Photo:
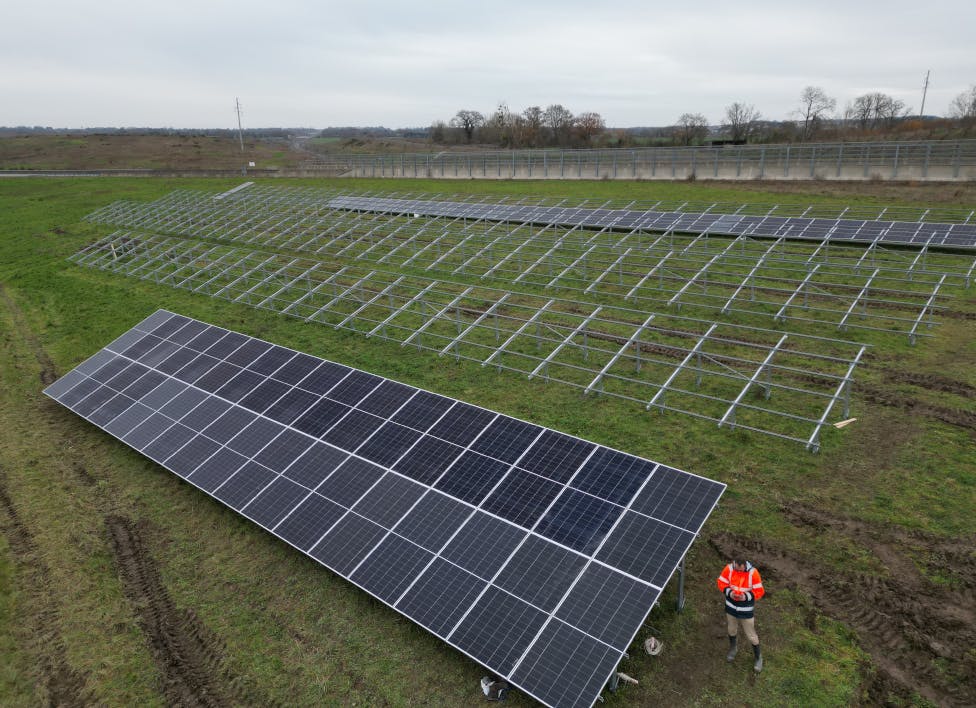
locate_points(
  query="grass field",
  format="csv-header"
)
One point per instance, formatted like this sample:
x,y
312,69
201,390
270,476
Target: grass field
x,y
121,585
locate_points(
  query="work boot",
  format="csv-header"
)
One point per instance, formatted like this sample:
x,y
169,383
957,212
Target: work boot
x,y
757,667
733,648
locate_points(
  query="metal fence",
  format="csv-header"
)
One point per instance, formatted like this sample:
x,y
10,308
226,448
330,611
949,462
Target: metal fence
x,y
949,160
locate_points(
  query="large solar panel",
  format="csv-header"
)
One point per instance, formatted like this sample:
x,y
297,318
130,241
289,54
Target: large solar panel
x,y
537,554
842,230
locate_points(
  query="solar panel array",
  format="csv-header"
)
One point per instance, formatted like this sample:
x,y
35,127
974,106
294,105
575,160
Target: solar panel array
x,y
886,289
896,232
535,553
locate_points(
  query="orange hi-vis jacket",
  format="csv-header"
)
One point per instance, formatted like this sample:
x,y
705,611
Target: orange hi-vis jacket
x,y
741,589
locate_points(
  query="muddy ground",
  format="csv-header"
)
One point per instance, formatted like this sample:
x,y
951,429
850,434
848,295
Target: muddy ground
x,y
920,634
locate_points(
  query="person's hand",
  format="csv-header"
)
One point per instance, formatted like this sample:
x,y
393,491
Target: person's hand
x,y
738,596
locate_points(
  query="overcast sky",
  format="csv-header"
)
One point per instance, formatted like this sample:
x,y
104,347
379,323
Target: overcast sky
x,y
375,62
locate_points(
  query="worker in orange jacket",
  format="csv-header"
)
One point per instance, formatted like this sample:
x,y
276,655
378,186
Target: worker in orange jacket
x,y
742,586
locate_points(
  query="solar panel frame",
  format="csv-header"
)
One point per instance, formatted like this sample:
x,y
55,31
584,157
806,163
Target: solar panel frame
x,y
356,534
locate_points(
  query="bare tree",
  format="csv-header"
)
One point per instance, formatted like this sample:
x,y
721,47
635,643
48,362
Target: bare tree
x,y
690,128
498,126
963,106
559,121
815,105
875,110
588,126
741,120
468,121
532,123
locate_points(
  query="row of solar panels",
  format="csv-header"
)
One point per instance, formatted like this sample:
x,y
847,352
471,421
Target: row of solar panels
x,y
536,553
898,232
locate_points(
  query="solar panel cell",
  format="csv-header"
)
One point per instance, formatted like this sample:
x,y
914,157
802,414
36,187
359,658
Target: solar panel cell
x,y
309,521
613,476
428,459
506,438
677,498
147,431
343,547
185,460
472,477
463,425
352,430
126,421
607,605
168,442
90,403
566,666
423,410
265,395
255,436
291,405
645,548
391,567
388,443
244,485
579,521
556,456
389,500
278,454
350,481
540,572
320,417
522,497
354,387
217,469
273,503
441,596
232,422
433,520
498,629
110,409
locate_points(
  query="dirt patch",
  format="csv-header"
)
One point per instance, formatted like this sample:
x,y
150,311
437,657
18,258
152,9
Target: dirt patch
x,y
952,416
187,151
49,373
919,633
64,685
958,315
932,382
82,473
189,660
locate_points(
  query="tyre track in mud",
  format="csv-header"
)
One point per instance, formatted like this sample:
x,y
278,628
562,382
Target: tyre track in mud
x,y
38,614
892,399
49,373
189,660
933,382
919,634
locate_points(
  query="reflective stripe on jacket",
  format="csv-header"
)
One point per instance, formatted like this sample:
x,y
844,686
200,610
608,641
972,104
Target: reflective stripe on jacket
x,y
747,582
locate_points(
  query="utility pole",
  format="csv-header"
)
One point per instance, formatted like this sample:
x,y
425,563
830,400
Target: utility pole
x,y
240,133
925,90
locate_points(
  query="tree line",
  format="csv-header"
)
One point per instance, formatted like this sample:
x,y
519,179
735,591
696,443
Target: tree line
x,y
870,116
535,127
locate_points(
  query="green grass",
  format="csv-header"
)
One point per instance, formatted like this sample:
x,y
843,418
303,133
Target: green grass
x,y
294,633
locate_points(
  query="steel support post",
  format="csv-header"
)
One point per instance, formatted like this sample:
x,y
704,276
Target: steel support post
x,y
813,444
620,352
692,353
525,325
781,315
928,305
729,416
